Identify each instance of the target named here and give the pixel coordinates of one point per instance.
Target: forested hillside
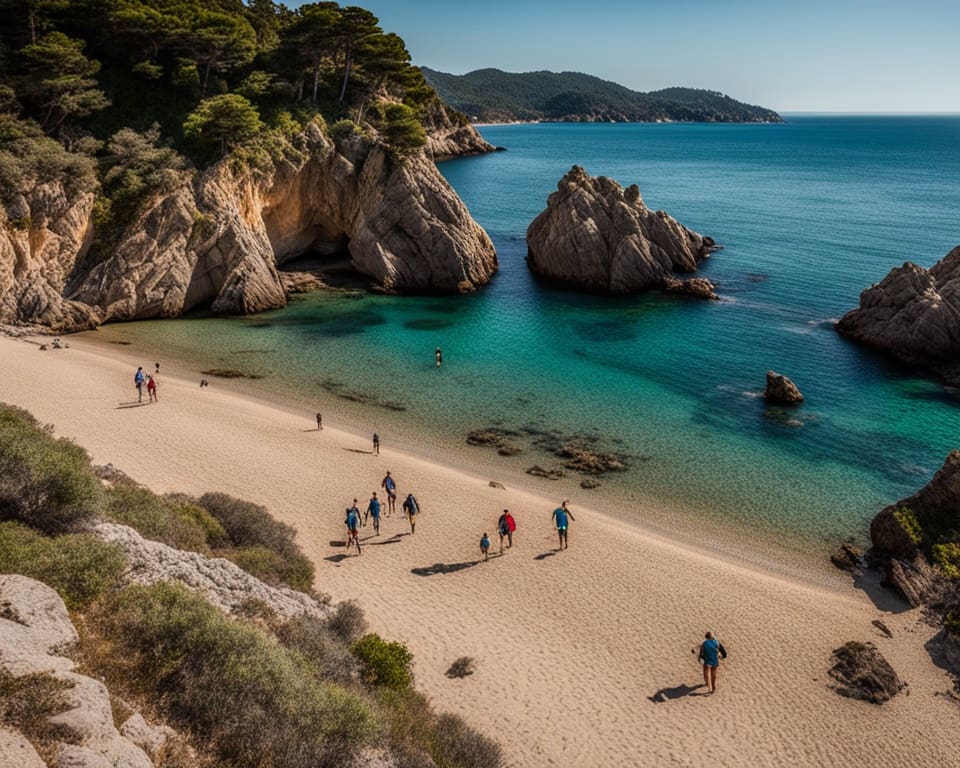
(491, 95)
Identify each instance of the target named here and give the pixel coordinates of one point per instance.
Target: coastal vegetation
(491, 95)
(252, 688)
(130, 92)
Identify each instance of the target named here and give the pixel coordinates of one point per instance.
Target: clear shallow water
(809, 214)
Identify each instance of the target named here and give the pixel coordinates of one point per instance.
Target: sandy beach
(583, 656)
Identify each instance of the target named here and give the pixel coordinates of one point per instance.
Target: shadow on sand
(131, 404)
(431, 570)
(337, 558)
(352, 450)
(677, 692)
(868, 580)
(545, 555)
(395, 539)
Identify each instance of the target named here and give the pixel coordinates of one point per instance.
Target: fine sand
(583, 656)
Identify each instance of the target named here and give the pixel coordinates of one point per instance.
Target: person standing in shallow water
(711, 651)
(439, 355)
(560, 515)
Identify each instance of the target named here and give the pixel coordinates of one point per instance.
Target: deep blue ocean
(808, 213)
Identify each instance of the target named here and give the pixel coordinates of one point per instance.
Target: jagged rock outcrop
(781, 390)
(224, 584)
(217, 239)
(450, 134)
(914, 314)
(43, 231)
(596, 235)
(861, 672)
(35, 630)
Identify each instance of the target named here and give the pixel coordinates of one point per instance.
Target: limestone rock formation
(596, 235)
(217, 239)
(861, 672)
(450, 134)
(696, 287)
(914, 314)
(35, 630)
(224, 584)
(781, 390)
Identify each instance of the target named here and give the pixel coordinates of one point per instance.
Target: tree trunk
(346, 74)
(206, 78)
(316, 80)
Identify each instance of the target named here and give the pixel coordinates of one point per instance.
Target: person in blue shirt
(485, 546)
(373, 510)
(139, 379)
(390, 486)
(353, 526)
(711, 651)
(560, 515)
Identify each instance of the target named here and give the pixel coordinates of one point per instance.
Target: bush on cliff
(249, 525)
(384, 663)
(249, 699)
(79, 566)
(45, 482)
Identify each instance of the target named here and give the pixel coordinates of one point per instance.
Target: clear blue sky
(840, 56)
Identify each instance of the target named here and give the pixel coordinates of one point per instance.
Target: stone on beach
(861, 672)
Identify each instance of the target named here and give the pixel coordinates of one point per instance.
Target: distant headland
(495, 96)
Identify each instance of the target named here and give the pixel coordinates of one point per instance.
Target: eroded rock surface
(224, 584)
(217, 239)
(596, 235)
(861, 672)
(914, 314)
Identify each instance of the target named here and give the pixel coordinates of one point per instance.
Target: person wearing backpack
(138, 380)
(711, 651)
(412, 509)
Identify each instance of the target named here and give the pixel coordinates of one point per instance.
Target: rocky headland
(914, 314)
(598, 236)
(217, 239)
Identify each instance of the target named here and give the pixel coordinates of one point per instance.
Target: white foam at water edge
(824, 321)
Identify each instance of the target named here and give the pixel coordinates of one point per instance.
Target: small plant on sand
(911, 526)
(348, 622)
(462, 667)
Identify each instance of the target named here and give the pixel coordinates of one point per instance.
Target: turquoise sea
(808, 213)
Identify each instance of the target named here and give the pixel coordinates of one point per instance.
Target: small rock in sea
(882, 627)
(781, 390)
(862, 673)
(847, 557)
(495, 484)
(230, 373)
(589, 482)
(508, 449)
(550, 474)
(695, 287)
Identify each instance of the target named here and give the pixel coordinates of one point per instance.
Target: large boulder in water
(781, 390)
(596, 235)
(914, 314)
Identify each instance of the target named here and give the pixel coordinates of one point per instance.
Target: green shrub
(235, 687)
(45, 482)
(384, 663)
(343, 129)
(172, 520)
(947, 558)
(348, 622)
(952, 623)
(313, 639)
(273, 567)
(911, 526)
(250, 525)
(456, 745)
(79, 566)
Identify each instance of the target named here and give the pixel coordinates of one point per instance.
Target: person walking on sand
(412, 509)
(376, 444)
(319, 422)
(485, 546)
(711, 651)
(138, 380)
(439, 355)
(156, 369)
(560, 515)
(390, 486)
(353, 527)
(373, 510)
(505, 527)
(152, 389)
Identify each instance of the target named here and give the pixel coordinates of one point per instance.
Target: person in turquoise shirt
(373, 510)
(711, 651)
(560, 515)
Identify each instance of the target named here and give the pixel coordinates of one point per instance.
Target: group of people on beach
(149, 381)
(375, 510)
(507, 525)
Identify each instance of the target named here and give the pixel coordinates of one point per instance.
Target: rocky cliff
(914, 314)
(217, 240)
(450, 134)
(594, 234)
